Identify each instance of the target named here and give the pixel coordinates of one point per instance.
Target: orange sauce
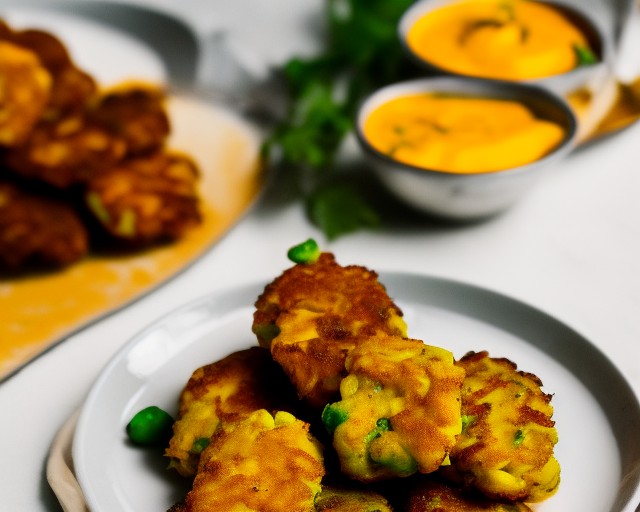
(500, 39)
(460, 134)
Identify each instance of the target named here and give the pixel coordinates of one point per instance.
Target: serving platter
(596, 411)
(115, 43)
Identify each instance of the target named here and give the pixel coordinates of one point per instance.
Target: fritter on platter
(134, 113)
(77, 144)
(146, 199)
(225, 391)
(400, 409)
(434, 496)
(333, 499)
(262, 463)
(25, 89)
(65, 152)
(507, 443)
(71, 87)
(37, 230)
(313, 314)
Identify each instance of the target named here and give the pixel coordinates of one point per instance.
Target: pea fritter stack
(92, 162)
(382, 421)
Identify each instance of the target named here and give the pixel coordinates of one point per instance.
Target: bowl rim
(465, 86)
(595, 34)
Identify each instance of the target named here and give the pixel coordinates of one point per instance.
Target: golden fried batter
(136, 114)
(433, 496)
(400, 409)
(262, 463)
(225, 391)
(314, 314)
(147, 199)
(72, 88)
(38, 230)
(25, 88)
(333, 499)
(65, 152)
(506, 447)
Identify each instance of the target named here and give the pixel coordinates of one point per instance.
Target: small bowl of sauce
(463, 148)
(545, 43)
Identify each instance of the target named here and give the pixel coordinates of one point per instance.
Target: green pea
(332, 417)
(199, 445)
(467, 421)
(306, 252)
(518, 437)
(267, 332)
(150, 426)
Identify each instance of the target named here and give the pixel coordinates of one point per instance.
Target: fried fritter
(435, 496)
(400, 409)
(333, 499)
(136, 114)
(65, 153)
(146, 199)
(36, 230)
(71, 87)
(507, 443)
(262, 463)
(25, 89)
(313, 314)
(225, 391)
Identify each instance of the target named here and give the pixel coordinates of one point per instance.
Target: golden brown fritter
(225, 391)
(333, 499)
(36, 230)
(434, 496)
(400, 409)
(262, 463)
(136, 114)
(65, 152)
(313, 314)
(506, 446)
(71, 87)
(146, 199)
(25, 89)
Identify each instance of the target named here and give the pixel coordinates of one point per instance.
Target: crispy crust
(146, 199)
(322, 310)
(413, 386)
(506, 449)
(25, 89)
(350, 500)
(433, 496)
(65, 152)
(225, 391)
(136, 114)
(243, 468)
(36, 230)
(72, 88)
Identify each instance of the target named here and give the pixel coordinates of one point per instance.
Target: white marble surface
(571, 247)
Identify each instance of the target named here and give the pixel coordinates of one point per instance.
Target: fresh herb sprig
(361, 53)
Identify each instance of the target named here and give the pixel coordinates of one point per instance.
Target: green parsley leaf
(584, 55)
(339, 209)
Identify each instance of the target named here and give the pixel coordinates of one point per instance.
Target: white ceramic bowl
(591, 77)
(475, 195)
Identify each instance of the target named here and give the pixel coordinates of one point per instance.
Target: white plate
(596, 412)
(114, 41)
